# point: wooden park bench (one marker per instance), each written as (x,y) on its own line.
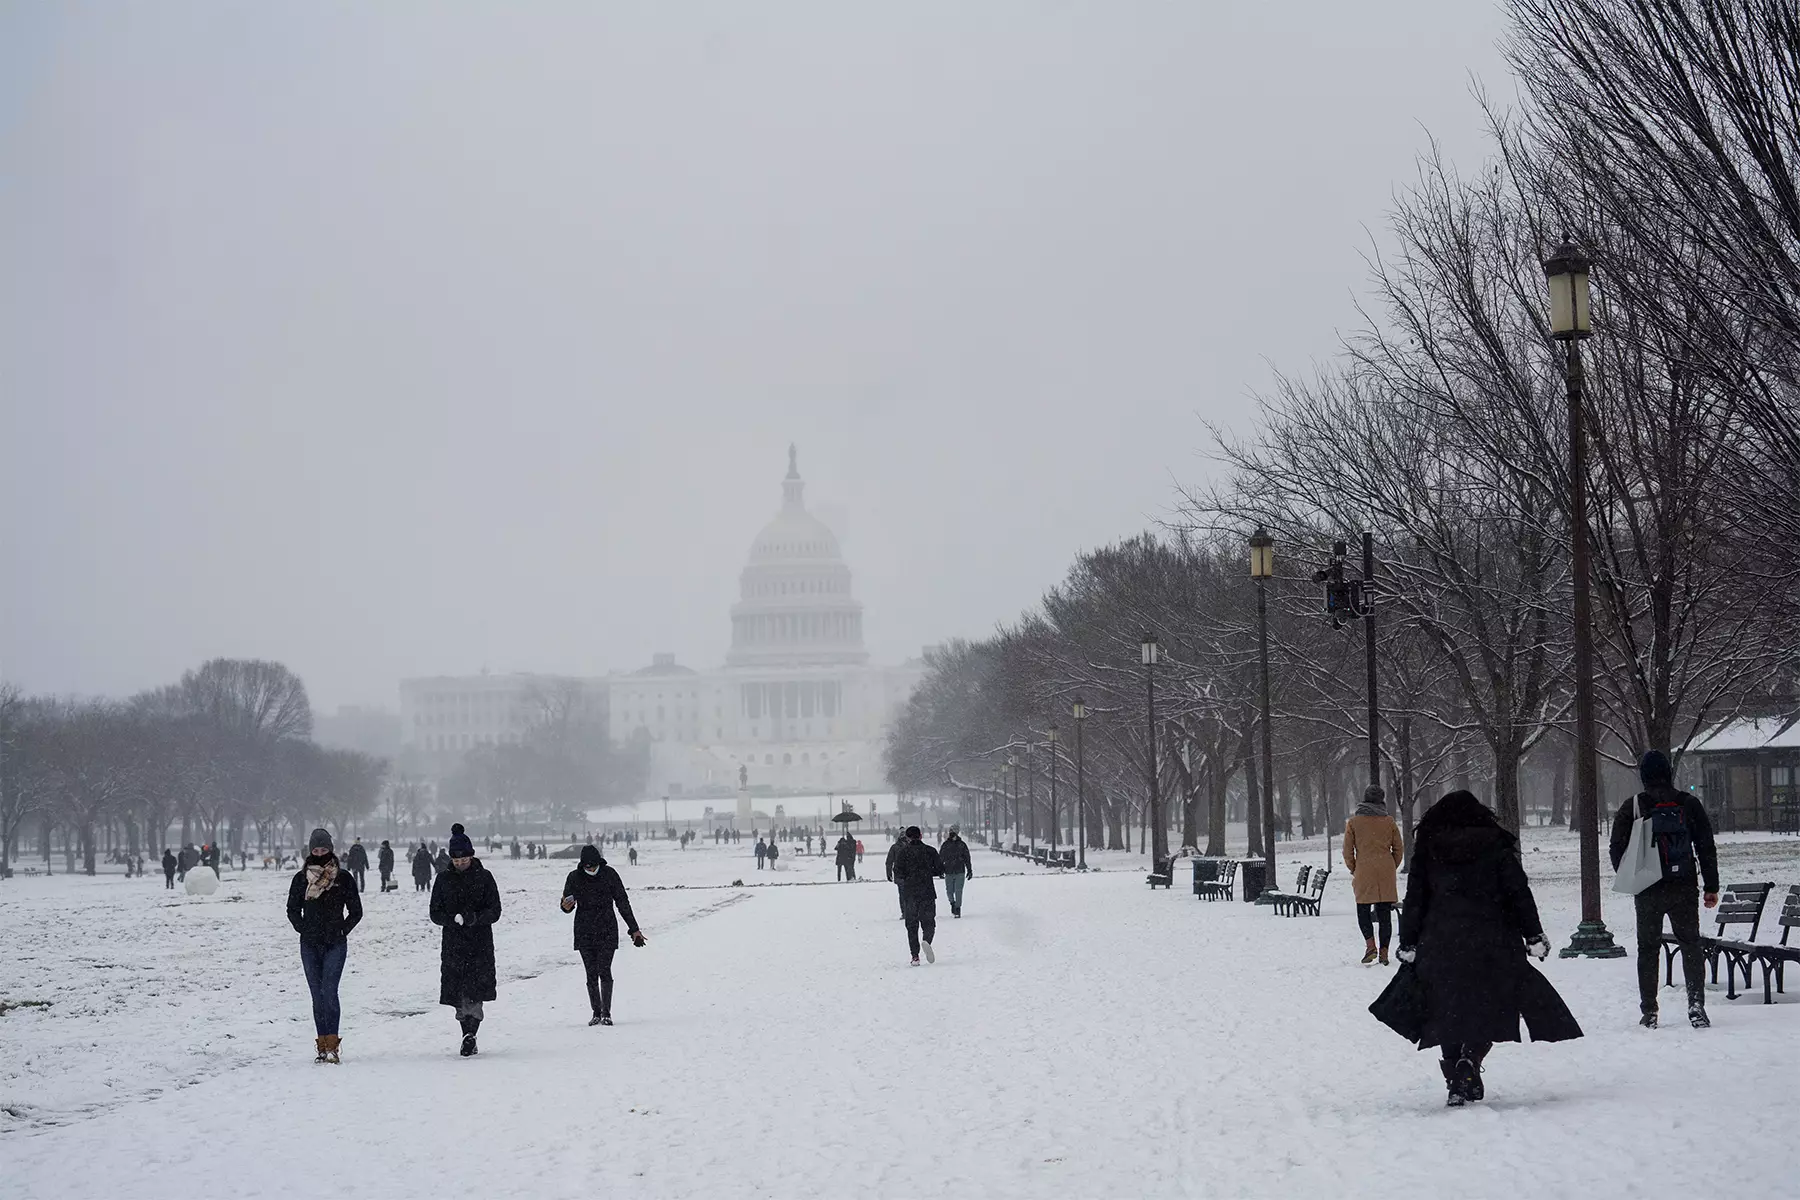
(1219,888)
(1308,894)
(1041,856)
(1063,858)
(1742,904)
(1775,958)
(1163,875)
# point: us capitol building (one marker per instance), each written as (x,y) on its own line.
(797,704)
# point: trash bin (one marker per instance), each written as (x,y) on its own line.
(1206,870)
(1254,873)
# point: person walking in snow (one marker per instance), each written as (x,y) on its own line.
(385,861)
(762,852)
(915,866)
(631,853)
(358,861)
(169,863)
(1682,831)
(958,866)
(892,851)
(774,853)
(1372,854)
(323,906)
(846,859)
(465,901)
(591,892)
(421,868)
(441,863)
(1467,927)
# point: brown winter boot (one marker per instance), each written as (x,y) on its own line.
(332,1041)
(1368,951)
(319,1045)
(1384,958)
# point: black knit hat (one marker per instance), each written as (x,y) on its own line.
(460,845)
(320,840)
(590,855)
(912,831)
(1654,768)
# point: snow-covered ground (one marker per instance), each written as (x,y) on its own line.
(1078,1036)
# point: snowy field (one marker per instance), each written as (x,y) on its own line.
(1079,1036)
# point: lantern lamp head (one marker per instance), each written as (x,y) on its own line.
(1567,272)
(1262,555)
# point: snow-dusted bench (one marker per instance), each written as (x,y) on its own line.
(1308,893)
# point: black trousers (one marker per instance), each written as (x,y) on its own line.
(1473,1051)
(1368,915)
(168,879)
(597,960)
(1679,900)
(921,919)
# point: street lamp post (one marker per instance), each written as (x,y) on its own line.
(1030,802)
(1262,569)
(1055,818)
(1159,838)
(1567,272)
(1079,711)
(1012,760)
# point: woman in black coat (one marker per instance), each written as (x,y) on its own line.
(421,867)
(1467,926)
(591,892)
(466,902)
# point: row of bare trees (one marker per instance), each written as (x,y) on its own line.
(1661,135)
(226,753)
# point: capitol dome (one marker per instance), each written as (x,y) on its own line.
(794,604)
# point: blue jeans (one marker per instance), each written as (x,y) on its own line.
(324,967)
(953,881)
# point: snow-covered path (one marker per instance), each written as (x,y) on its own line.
(1078,1036)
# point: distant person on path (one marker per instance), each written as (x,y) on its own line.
(1468,924)
(359,865)
(170,863)
(1372,854)
(1682,830)
(859,852)
(421,868)
(323,907)
(591,892)
(915,866)
(846,859)
(441,863)
(465,900)
(385,860)
(631,854)
(762,852)
(892,851)
(958,866)
(774,853)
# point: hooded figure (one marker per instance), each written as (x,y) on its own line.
(915,864)
(465,900)
(591,891)
(385,860)
(169,865)
(958,866)
(421,868)
(1468,923)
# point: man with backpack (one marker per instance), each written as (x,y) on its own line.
(1681,830)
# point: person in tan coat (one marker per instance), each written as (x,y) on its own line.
(1372,852)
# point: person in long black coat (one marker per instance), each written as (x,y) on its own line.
(1468,924)
(358,862)
(465,900)
(385,861)
(591,892)
(915,864)
(846,858)
(169,865)
(421,868)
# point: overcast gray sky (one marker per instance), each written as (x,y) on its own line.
(395,339)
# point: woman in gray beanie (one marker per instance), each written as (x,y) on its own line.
(323,907)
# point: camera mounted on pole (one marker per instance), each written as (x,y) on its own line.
(1345,599)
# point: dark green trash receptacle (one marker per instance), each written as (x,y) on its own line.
(1255,876)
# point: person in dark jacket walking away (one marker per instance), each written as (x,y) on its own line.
(1682,830)
(846,859)
(358,862)
(631,853)
(323,907)
(441,863)
(591,892)
(774,853)
(1467,926)
(958,866)
(465,900)
(421,868)
(385,860)
(889,865)
(762,852)
(170,862)
(915,866)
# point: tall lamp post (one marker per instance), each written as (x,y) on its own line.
(1262,569)
(1055,819)
(1012,760)
(1079,711)
(1567,272)
(1159,838)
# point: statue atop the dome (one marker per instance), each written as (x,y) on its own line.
(793,461)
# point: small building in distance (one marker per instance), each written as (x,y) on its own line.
(1749,771)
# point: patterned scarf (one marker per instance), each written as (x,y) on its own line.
(320,877)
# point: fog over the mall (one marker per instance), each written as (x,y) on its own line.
(402,339)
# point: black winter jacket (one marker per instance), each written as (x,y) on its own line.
(846,851)
(1699,831)
(467,962)
(359,858)
(893,852)
(954,854)
(1469,913)
(595,898)
(385,859)
(914,865)
(171,864)
(421,864)
(329,919)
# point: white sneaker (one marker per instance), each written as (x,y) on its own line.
(929,956)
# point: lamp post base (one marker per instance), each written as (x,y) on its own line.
(1592,940)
